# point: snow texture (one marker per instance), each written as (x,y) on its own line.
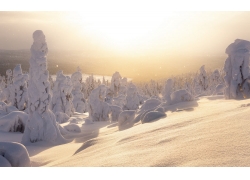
(13,154)
(236,68)
(41,125)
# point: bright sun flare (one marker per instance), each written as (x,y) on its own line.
(121,30)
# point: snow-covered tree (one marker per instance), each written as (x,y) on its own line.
(19,97)
(115,83)
(62,97)
(132,100)
(41,125)
(168,90)
(78,97)
(236,68)
(97,108)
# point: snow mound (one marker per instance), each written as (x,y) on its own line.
(73,128)
(13,154)
(61,117)
(152,116)
(14,122)
(126,119)
(181,95)
(150,104)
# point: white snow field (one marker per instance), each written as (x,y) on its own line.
(213,132)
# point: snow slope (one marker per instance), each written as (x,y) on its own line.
(214,133)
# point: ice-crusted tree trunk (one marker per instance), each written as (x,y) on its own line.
(19,97)
(236,68)
(41,125)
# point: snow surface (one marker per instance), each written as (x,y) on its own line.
(214,133)
(13,154)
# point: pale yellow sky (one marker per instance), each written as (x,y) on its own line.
(127,33)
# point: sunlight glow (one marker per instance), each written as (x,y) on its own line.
(121,30)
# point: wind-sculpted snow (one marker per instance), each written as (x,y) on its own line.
(61,117)
(13,154)
(78,96)
(41,125)
(236,68)
(73,128)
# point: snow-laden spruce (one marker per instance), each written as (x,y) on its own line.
(236,68)
(18,93)
(6,95)
(132,100)
(62,97)
(78,96)
(116,83)
(97,108)
(13,154)
(41,125)
(168,88)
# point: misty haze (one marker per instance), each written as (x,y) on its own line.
(106,87)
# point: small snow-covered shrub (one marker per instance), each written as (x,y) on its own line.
(115,111)
(152,116)
(73,128)
(13,154)
(61,117)
(126,119)
(181,95)
(14,122)
(150,104)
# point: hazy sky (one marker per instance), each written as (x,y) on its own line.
(126,33)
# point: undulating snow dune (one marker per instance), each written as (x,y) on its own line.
(213,132)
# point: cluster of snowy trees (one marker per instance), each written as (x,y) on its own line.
(37,104)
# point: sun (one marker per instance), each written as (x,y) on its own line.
(120,30)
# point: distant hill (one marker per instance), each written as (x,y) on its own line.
(139,69)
